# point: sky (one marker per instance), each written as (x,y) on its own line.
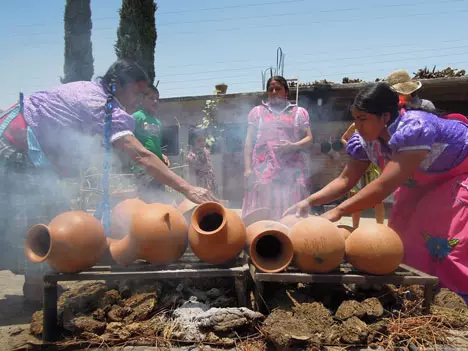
(205,42)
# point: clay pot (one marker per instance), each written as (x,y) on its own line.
(345,230)
(319,246)
(216,234)
(123,251)
(186,207)
(269,246)
(374,249)
(160,233)
(121,217)
(72,242)
(291,219)
(260,214)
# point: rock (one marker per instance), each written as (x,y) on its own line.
(372,307)
(214,293)
(111,297)
(452,317)
(354,331)
(223,301)
(227,319)
(100,315)
(36,323)
(117,313)
(81,324)
(82,298)
(115,330)
(348,309)
(142,305)
(185,319)
(449,299)
(15,331)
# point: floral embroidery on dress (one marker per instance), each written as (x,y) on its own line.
(439,248)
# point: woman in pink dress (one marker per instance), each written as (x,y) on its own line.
(276,167)
(426,162)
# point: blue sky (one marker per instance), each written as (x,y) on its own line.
(201,43)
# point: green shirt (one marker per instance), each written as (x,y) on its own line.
(148,132)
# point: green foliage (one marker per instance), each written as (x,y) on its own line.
(136,36)
(79,63)
(209,121)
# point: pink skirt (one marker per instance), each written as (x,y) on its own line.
(432,220)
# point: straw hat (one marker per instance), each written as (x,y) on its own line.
(401,82)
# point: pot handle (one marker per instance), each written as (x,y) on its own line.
(167,219)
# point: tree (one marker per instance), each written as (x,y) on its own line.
(79,62)
(136,36)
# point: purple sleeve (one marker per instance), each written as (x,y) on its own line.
(413,133)
(122,124)
(355,149)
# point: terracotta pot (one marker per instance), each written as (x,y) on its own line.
(375,249)
(123,251)
(121,217)
(319,246)
(269,246)
(345,230)
(186,207)
(260,214)
(216,234)
(72,242)
(160,233)
(291,219)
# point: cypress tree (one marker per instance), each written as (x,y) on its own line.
(79,62)
(136,35)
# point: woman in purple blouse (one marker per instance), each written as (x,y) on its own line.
(425,158)
(53,134)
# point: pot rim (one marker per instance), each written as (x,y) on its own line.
(30,253)
(208,207)
(283,238)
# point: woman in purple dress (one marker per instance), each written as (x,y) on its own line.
(53,134)
(431,210)
(276,169)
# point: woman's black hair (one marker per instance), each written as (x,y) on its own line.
(377,98)
(280,80)
(195,134)
(124,72)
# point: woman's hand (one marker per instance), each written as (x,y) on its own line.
(166,160)
(284,146)
(199,195)
(334,214)
(302,209)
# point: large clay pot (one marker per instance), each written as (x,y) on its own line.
(121,217)
(291,219)
(260,214)
(375,249)
(346,230)
(160,233)
(216,234)
(318,244)
(72,242)
(269,246)
(123,251)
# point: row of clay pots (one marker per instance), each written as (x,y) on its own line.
(158,233)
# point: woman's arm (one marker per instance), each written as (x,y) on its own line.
(304,141)
(396,172)
(338,187)
(130,146)
(248,150)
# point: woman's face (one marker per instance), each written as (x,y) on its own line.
(199,142)
(276,92)
(369,126)
(132,95)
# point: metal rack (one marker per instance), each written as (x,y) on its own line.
(187,267)
(404,275)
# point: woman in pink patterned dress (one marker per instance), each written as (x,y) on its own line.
(275,170)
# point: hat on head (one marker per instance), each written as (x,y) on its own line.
(401,82)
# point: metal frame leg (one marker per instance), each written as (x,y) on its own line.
(50,327)
(241,291)
(428,297)
(259,301)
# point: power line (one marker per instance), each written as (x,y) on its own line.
(300,62)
